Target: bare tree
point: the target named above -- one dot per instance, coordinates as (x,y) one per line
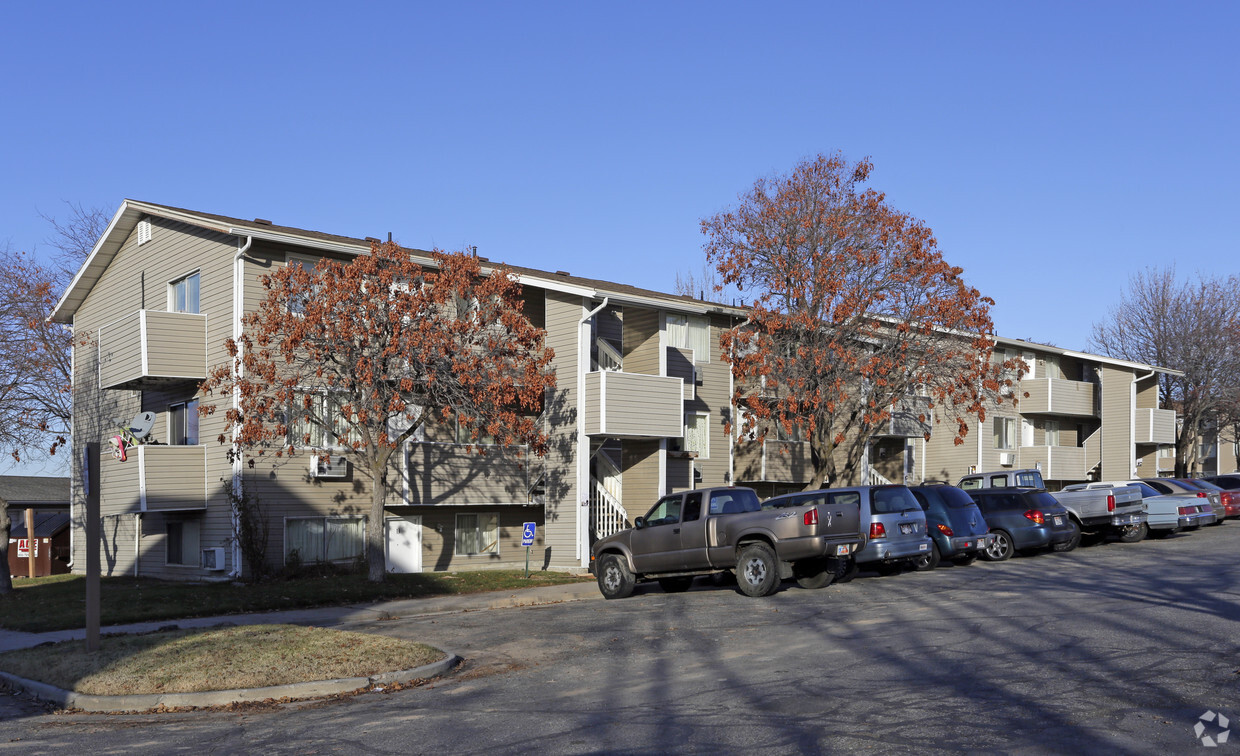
(1192,327)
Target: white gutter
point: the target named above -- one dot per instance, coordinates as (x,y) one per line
(238,306)
(583,441)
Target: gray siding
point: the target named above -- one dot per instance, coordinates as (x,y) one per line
(641,341)
(634,405)
(564,312)
(175,477)
(639,462)
(451,474)
(1117,449)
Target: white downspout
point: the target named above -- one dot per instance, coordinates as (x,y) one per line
(137,541)
(583,441)
(74,452)
(238,307)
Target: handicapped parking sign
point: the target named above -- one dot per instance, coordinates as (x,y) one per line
(527,533)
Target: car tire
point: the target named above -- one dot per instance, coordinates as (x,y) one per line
(1071,543)
(930,560)
(675,584)
(964,560)
(812,574)
(846,570)
(1001,548)
(615,579)
(757,572)
(1133,533)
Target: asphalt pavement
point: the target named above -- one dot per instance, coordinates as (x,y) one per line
(1112,648)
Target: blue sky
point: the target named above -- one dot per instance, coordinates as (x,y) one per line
(1053,147)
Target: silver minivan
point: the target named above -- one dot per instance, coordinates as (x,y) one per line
(897,534)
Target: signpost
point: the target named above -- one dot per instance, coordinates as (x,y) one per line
(527,540)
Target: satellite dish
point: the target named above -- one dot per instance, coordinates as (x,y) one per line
(142,424)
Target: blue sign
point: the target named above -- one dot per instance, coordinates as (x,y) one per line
(527,533)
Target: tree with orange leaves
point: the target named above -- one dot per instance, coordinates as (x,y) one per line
(854,312)
(350,359)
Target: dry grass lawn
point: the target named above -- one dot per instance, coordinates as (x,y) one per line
(190,661)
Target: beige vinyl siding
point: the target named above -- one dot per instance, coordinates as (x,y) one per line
(119,348)
(439,530)
(610,325)
(138,278)
(176,343)
(679,474)
(639,465)
(175,477)
(714,396)
(789,462)
(564,312)
(1147,394)
(1117,448)
(945,460)
(120,547)
(631,404)
(451,474)
(594,406)
(641,341)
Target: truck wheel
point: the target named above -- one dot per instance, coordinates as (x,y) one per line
(615,580)
(965,560)
(1133,533)
(675,584)
(846,569)
(1072,542)
(757,572)
(928,561)
(813,573)
(999,549)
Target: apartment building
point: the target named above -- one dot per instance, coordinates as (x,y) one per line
(640,407)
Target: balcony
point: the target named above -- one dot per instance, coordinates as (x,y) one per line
(150,348)
(632,405)
(910,418)
(154,479)
(1055,396)
(1056,462)
(1154,426)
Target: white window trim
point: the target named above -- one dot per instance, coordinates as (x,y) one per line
(172,291)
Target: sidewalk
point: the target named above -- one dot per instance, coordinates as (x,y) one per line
(334,616)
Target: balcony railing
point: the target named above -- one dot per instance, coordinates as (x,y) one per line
(150,348)
(1056,396)
(911,418)
(155,478)
(1154,426)
(1056,462)
(632,405)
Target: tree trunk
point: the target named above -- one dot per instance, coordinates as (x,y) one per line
(6,580)
(374,532)
(823,459)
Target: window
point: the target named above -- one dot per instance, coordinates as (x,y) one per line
(697,434)
(690,332)
(971,484)
(1052,433)
(463,431)
(476,534)
(183,424)
(182,542)
(998,481)
(666,512)
(733,500)
(324,539)
(787,436)
(183,294)
(1005,433)
(298,306)
(693,506)
(322,423)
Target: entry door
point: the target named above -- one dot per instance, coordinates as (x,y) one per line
(404,543)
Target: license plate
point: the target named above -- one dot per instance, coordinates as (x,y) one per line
(924,547)
(841,550)
(906,528)
(1059,521)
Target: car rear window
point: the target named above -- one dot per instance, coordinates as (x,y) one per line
(735,500)
(815,498)
(996,502)
(955,498)
(1029,480)
(1206,485)
(892,500)
(1145,490)
(1041,499)
(848,498)
(971,484)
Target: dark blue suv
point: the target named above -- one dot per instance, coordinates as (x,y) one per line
(955,524)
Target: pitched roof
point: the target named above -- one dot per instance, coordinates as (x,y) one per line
(131,211)
(46,524)
(34,490)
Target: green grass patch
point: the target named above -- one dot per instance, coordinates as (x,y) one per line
(59,602)
(192,661)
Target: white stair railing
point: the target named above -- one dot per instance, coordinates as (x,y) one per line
(609,358)
(607,516)
(875,479)
(610,476)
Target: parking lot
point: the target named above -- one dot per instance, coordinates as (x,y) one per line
(1110,648)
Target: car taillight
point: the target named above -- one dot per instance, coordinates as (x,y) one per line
(877,530)
(945,530)
(1202,495)
(1187,510)
(1110,502)
(811,516)
(1035,515)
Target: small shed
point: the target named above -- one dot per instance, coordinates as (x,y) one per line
(48,497)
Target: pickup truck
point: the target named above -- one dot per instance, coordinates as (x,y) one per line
(713,530)
(1112,509)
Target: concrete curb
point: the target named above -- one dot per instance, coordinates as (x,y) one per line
(69,699)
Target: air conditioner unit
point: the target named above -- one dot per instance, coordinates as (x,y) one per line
(328,467)
(213,559)
(1007,459)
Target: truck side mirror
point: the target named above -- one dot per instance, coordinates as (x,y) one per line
(639,523)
